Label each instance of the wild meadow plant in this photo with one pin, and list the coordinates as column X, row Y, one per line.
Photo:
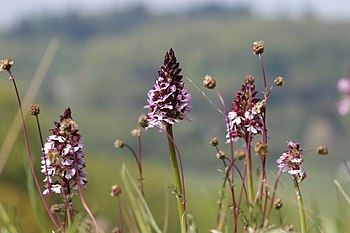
column 245, row 203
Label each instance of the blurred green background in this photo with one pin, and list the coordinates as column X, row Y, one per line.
column 106, row 64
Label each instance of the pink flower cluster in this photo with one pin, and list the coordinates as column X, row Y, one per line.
column 63, row 157
column 290, row 161
column 245, row 117
column 168, row 100
column 344, row 89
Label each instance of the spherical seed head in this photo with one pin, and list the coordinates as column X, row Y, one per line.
column 143, row 121
column 209, row 82
column 322, row 150
column 278, row 203
column 258, row 47
column 135, row 132
column 289, row 228
column 119, row 143
column 239, row 154
column 56, row 208
column 220, row 154
column 214, row 141
column 34, row 110
column 278, row 81
column 261, row 149
column 6, row 64
column 116, row 190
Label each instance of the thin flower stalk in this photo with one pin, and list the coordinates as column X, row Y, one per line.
column 137, row 156
column 231, row 168
column 300, row 205
column 5, row 65
column 176, row 173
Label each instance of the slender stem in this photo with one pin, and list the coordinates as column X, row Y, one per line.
column 300, row 205
column 120, row 219
column 175, row 169
column 82, row 199
column 30, row 158
column 274, row 192
column 248, row 161
column 232, row 166
column 139, row 158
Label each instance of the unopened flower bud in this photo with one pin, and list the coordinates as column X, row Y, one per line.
column 258, row 47
column 6, row 64
column 55, row 208
column 34, row 110
column 261, row 149
column 278, row 203
column 135, row 132
column 116, row 190
column 119, row 143
column 209, row 82
column 288, row 228
column 220, row 154
column 322, row 150
column 214, row 141
column 278, row 81
column 239, row 154
column 143, row 121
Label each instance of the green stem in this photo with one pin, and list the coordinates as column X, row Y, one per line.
column 250, row 173
column 176, row 173
column 300, row 205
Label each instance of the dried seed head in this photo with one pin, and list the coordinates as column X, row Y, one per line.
column 56, row 208
column 143, row 121
column 119, row 143
column 220, row 154
column 135, row 132
column 278, row 81
column 258, row 47
column 239, row 154
column 34, row 110
column 322, row 150
column 278, row 203
column 209, row 82
column 116, row 190
column 6, row 64
column 214, row 141
column 261, row 149
column 288, row 228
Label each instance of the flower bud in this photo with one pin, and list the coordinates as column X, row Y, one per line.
column 278, row 81
column 214, row 141
column 209, row 82
column 135, row 132
column 322, row 150
column 261, row 149
column 116, row 190
column 220, row 154
column 258, row 47
column 119, row 143
column 34, row 110
column 6, row 64
column 143, row 121
column 239, row 154
column 278, row 203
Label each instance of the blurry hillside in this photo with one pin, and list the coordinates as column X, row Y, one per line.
column 106, row 64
